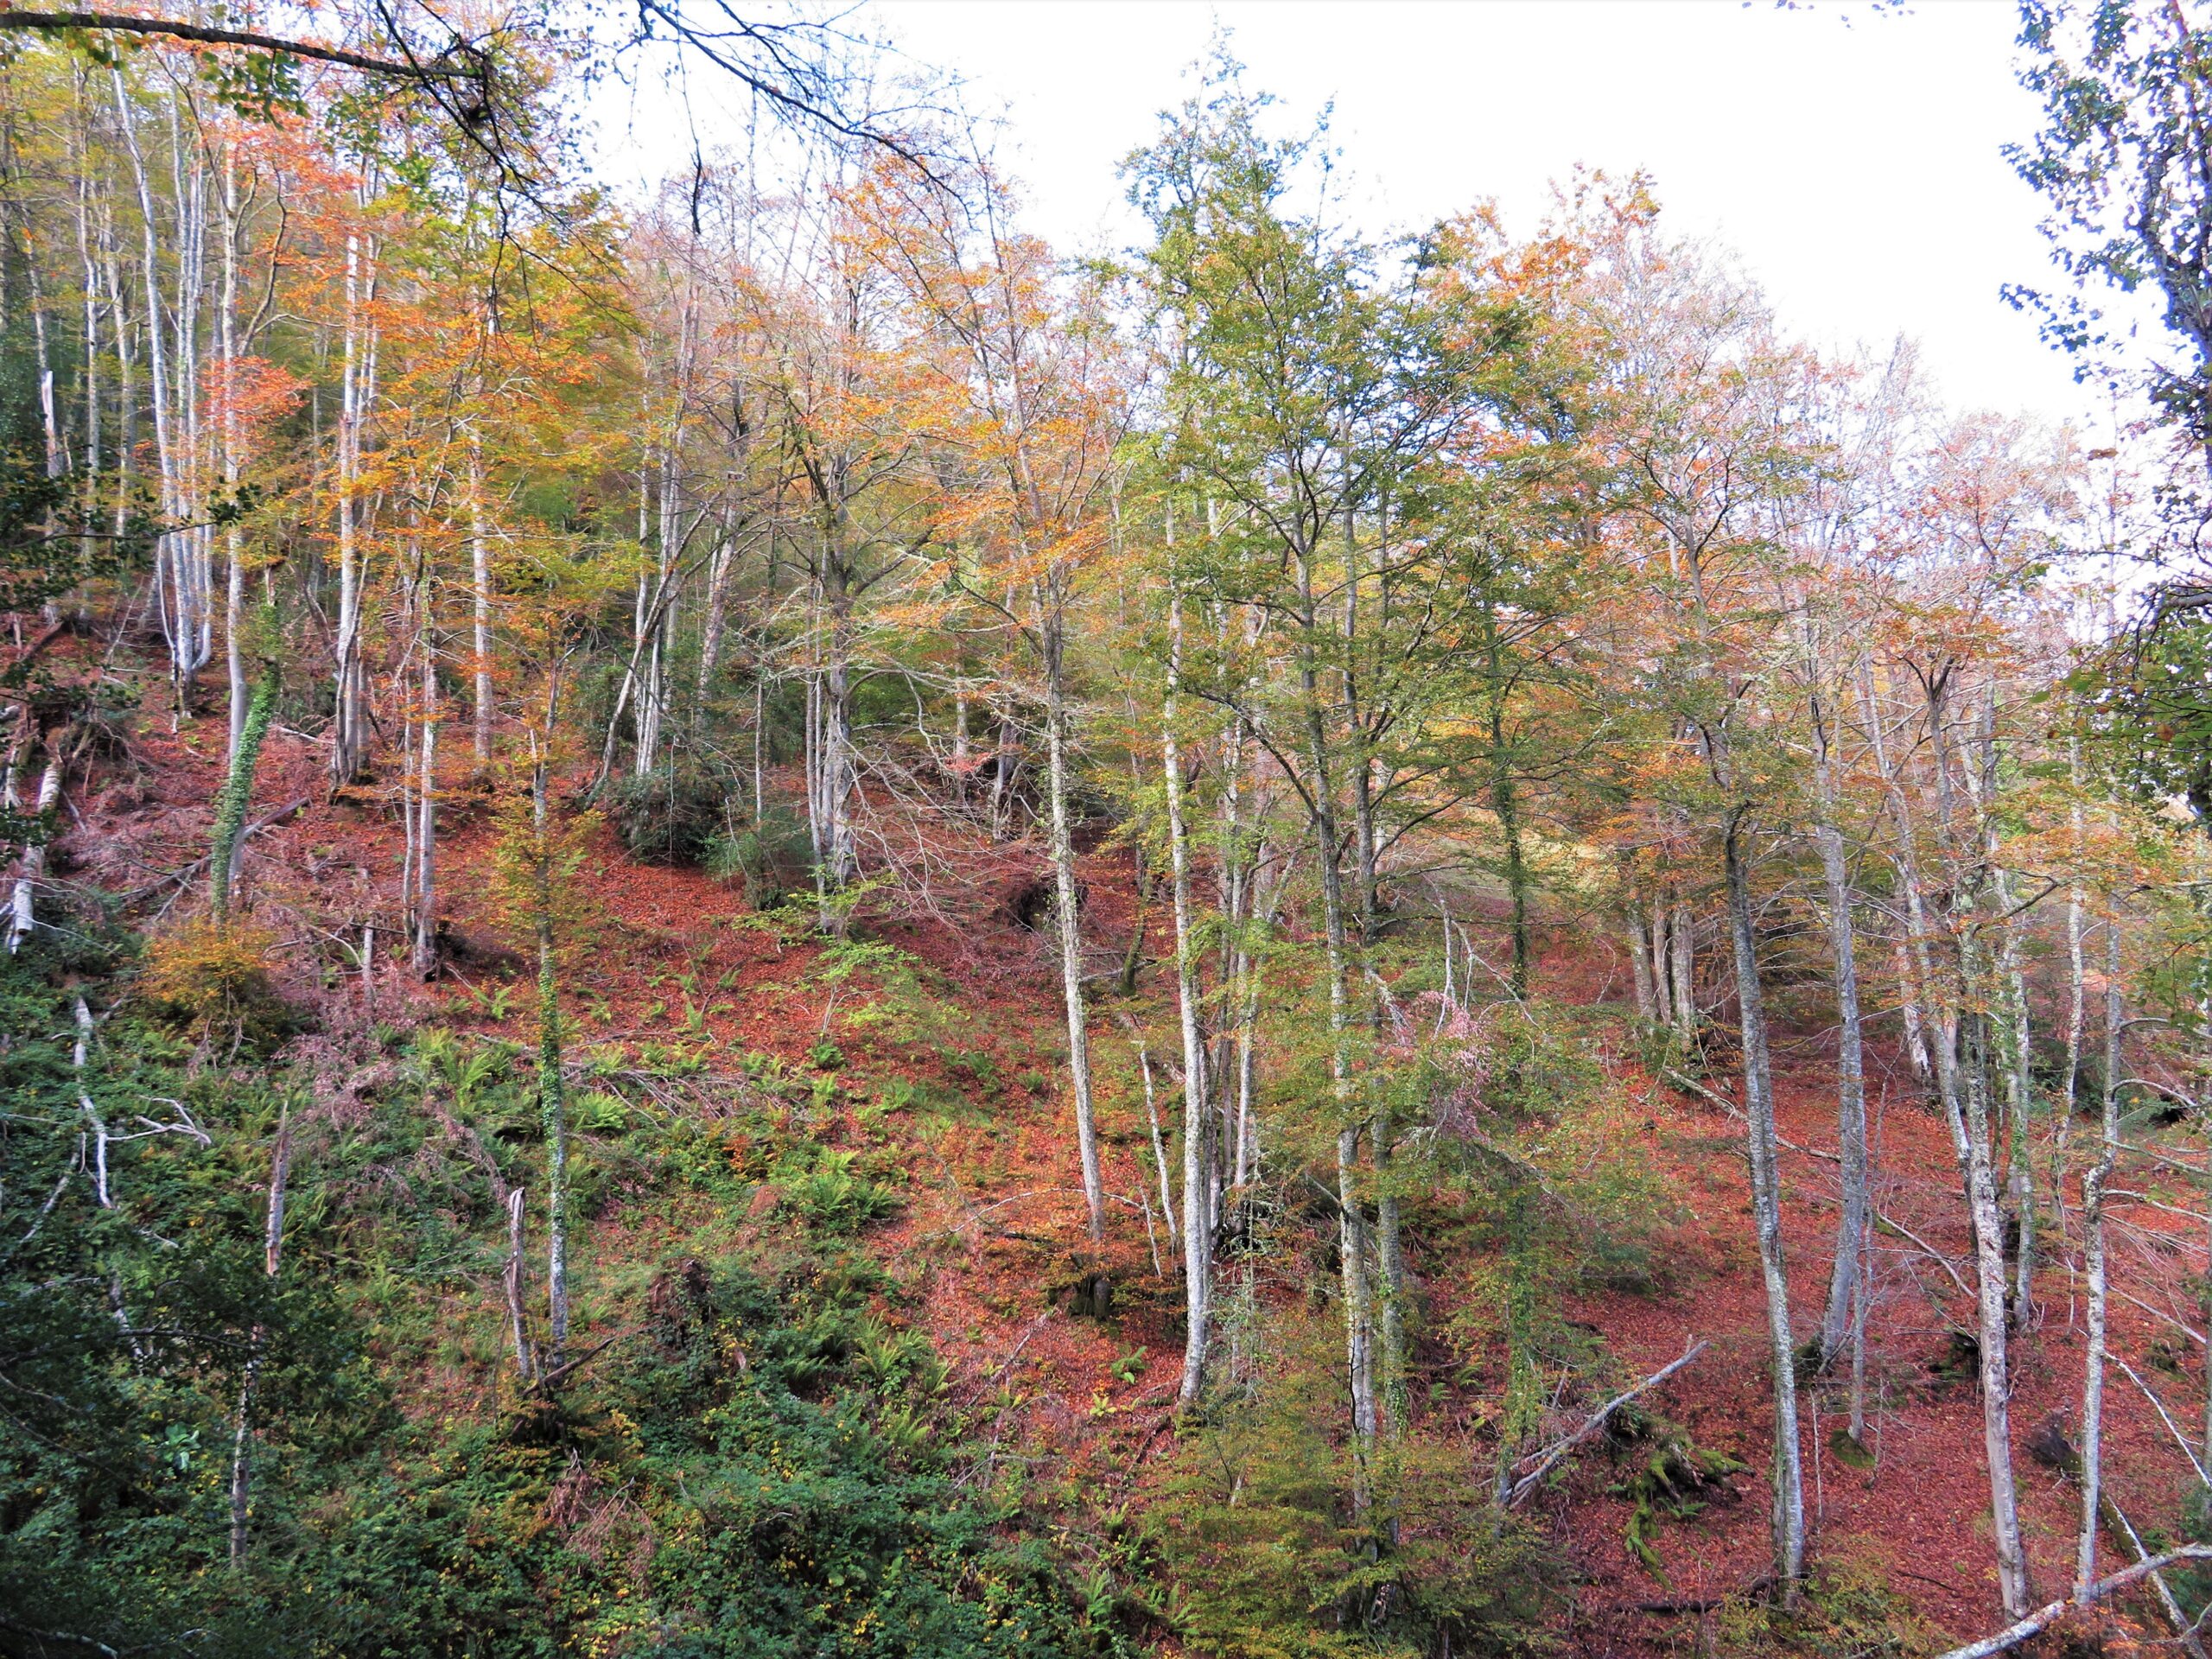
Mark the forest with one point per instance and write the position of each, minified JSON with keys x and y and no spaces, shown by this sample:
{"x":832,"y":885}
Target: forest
{"x":767,"y":923}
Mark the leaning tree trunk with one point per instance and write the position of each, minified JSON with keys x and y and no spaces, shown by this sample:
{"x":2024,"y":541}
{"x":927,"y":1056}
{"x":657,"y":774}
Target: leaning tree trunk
{"x":23,"y":910}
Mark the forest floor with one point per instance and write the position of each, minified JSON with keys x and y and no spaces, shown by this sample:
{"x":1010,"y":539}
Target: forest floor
{"x":993,"y":1216}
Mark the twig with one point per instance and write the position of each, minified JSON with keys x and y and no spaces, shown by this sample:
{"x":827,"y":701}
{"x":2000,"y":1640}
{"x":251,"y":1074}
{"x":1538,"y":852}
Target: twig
{"x":2195,"y":1335}
{"x":1926,"y":1248}
{"x":546,"y":1380}
{"x":2158,"y":1406}
{"x":185,"y":876}
{"x":1729,"y":1107}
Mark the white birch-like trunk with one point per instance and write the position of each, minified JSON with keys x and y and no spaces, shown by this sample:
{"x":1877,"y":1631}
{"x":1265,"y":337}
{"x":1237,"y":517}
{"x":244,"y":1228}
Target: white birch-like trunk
{"x":1197,"y":1221}
{"x":242,"y":1428}
{"x":1069,"y":926}
{"x":227,"y":344}
{"x":22,"y":914}
{"x":2093,"y":1222}
{"x":479,"y":569}
{"x":517,"y":1321}
{"x":1789,"y":1478}
{"x":1850,"y":1070}
{"x":1159,"y":1146}
{"x":425,"y":895}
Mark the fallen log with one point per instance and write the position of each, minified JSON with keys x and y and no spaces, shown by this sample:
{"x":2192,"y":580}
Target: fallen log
{"x":1558,"y":1449}
{"x":2044,"y":1618}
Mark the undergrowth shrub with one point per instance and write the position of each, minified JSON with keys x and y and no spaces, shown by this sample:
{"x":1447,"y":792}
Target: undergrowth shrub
{"x":213,"y":983}
{"x":1844,"y":1611}
{"x":1673,"y":1478}
{"x":768,"y":1477}
{"x":832,"y":1190}
{"x":768,"y":857}
{"x":1263,"y":1561}
{"x":668,"y":816}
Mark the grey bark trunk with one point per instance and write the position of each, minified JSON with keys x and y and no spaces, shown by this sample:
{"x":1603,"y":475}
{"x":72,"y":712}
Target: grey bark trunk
{"x":1198,"y":1181}
{"x":517,"y":1321}
{"x":2093,"y":1221}
{"x":1068,"y":925}
{"x":1788,"y":1525}
{"x":551,"y":1092}
{"x":1851,"y":1072}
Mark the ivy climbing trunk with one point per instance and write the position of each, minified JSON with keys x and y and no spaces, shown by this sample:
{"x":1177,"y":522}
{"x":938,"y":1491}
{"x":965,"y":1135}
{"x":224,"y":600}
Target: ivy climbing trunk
{"x":237,"y":792}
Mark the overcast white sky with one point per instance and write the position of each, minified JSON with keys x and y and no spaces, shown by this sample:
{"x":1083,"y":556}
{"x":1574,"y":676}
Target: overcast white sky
{"x":1853,"y":160}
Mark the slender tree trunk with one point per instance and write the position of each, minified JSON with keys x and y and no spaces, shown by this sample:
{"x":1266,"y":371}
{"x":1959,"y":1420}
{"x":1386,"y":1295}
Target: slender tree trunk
{"x":1974,"y":1134}
{"x":348,"y":715}
{"x":1395,"y":1402}
{"x":2019,"y":1096}
{"x":1991,"y":1291}
{"x":1158,"y":1147}
{"x":2076,"y":1001}
{"x":1068,"y":925}
{"x":1766,"y":1202}
{"x":22,"y":916}
{"x":517,"y":1321}
{"x":551,"y":1092}
{"x":242,"y":1426}
{"x":1505,"y":803}
{"x":1916,"y":1040}
{"x":1851,"y":1072}
{"x":2093,"y":1222}
{"x":1358,"y":1298}
{"x":479,"y":568}
{"x":425,"y":896}
{"x":1198,"y":1223}
{"x":227,"y":344}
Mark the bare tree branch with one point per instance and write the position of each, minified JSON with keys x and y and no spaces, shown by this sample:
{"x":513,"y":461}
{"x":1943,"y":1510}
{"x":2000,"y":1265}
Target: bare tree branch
{"x":173,"y":29}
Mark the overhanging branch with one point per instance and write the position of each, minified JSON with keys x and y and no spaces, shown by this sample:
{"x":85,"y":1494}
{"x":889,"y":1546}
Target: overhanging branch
{"x":55,"y":22}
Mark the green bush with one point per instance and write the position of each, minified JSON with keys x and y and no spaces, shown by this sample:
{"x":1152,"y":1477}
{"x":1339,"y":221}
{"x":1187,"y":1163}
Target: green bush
{"x":769,"y":857}
{"x":1263,"y":1561}
{"x":671,"y":815}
